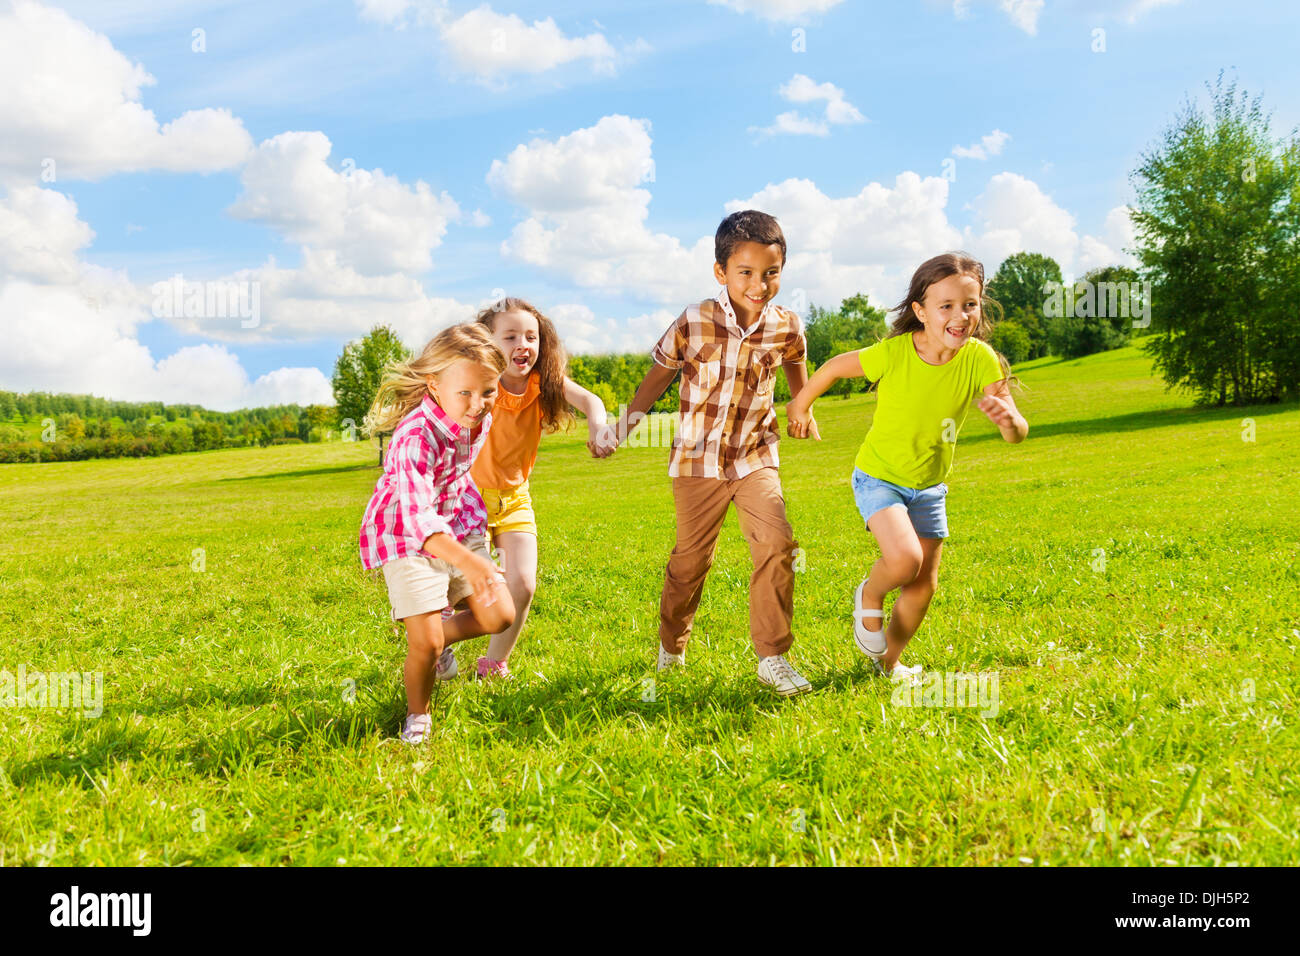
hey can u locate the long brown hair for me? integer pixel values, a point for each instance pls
(552, 363)
(404, 385)
(936, 270)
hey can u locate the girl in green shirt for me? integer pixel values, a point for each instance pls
(934, 361)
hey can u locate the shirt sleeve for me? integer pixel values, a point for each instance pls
(417, 498)
(796, 345)
(874, 361)
(987, 367)
(670, 351)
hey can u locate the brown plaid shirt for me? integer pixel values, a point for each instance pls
(727, 426)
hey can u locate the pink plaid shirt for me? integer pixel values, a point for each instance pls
(425, 488)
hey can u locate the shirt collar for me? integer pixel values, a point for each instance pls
(440, 419)
(723, 298)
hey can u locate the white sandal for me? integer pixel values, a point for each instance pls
(866, 640)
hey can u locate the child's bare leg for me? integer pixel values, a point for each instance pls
(481, 618)
(900, 560)
(519, 556)
(912, 603)
(424, 644)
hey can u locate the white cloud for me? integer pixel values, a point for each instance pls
(869, 242)
(785, 10)
(491, 46)
(73, 99)
(793, 124)
(587, 213)
(802, 89)
(585, 334)
(385, 11)
(1014, 215)
(1023, 13)
(325, 298)
(372, 221)
(72, 327)
(990, 145)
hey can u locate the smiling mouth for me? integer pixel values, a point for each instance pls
(521, 361)
(957, 333)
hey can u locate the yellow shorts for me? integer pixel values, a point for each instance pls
(509, 511)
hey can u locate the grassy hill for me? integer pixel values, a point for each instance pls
(1130, 574)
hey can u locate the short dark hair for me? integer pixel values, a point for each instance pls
(748, 226)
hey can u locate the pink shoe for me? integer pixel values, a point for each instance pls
(489, 668)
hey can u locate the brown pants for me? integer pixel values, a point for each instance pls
(701, 505)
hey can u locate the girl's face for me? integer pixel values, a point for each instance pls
(515, 334)
(466, 391)
(950, 311)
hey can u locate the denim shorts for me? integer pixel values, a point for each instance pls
(925, 506)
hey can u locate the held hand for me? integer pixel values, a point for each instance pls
(800, 423)
(482, 576)
(998, 411)
(602, 441)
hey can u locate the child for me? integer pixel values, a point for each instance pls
(425, 522)
(535, 396)
(935, 359)
(728, 349)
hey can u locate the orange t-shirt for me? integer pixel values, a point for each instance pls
(510, 451)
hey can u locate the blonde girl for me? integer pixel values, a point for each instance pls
(425, 524)
(535, 397)
(934, 362)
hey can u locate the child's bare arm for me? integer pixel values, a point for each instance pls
(650, 390)
(586, 402)
(1000, 407)
(799, 411)
(480, 573)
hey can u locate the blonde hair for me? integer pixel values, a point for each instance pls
(404, 385)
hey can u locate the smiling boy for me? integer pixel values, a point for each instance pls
(727, 350)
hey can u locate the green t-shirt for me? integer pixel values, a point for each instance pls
(920, 408)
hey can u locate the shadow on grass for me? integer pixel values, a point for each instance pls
(303, 473)
(283, 729)
(1137, 421)
(568, 709)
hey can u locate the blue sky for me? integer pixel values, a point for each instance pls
(395, 161)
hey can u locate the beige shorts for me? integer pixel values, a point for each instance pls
(423, 583)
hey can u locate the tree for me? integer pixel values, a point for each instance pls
(1021, 286)
(1099, 316)
(1011, 339)
(857, 323)
(1218, 235)
(360, 369)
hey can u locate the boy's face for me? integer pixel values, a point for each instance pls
(752, 275)
(466, 391)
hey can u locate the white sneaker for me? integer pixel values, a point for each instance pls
(776, 672)
(667, 660)
(446, 668)
(418, 728)
(871, 643)
(911, 675)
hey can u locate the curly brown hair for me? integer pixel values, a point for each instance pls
(552, 362)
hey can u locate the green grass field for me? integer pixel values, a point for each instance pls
(1147, 695)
